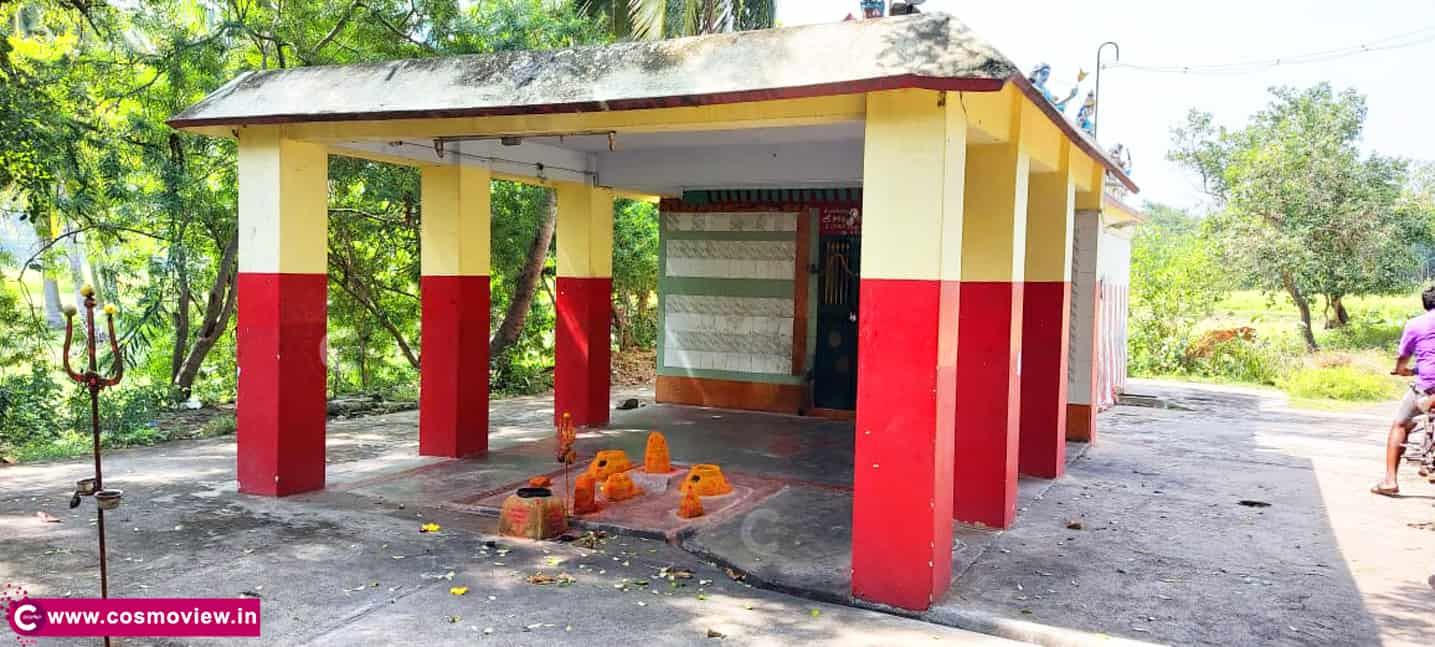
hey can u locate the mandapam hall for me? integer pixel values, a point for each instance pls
(882, 221)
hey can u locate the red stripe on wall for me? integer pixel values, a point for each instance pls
(453, 393)
(281, 350)
(902, 481)
(582, 351)
(1045, 317)
(988, 403)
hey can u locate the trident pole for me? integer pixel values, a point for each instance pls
(1096, 111)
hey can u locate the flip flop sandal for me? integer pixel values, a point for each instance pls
(1390, 492)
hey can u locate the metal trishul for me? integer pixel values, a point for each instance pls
(94, 382)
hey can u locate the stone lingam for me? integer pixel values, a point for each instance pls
(691, 505)
(585, 494)
(705, 480)
(607, 463)
(655, 457)
(619, 487)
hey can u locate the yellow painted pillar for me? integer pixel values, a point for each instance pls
(993, 265)
(913, 165)
(280, 333)
(1046, 301)
(454, 252)
(582, 332)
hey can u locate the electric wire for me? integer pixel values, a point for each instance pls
(1397, 41)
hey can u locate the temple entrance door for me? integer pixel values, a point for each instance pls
(839, 257)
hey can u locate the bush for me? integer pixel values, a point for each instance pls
(1363, 334)
(127, 413)
(221, 425)
(1239, 360)
(26, 413)
(1343, 382)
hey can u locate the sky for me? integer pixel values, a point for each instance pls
(1139, 108)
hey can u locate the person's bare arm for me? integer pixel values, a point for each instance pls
(1402, 367)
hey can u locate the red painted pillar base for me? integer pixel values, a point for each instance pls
(902, 476)
(281, 408)
(1045, 314)
(453, 384)
(988, 403)
(1081, 423)
(581, 350)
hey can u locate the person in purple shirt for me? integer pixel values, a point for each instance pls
(1417, 344)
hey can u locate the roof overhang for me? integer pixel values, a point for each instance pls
(925, 51)
(1119, 214)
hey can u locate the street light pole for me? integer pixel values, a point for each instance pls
(1096, 111)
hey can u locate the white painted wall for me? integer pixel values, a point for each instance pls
(1114, 277)
(1086, 238)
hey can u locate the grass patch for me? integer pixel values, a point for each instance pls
(1348, 383)
(1351, 368)
(221, 425)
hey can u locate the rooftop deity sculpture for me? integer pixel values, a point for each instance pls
(1039, 77)
(1085, 114)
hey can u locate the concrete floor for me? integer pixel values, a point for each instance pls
(1166, 551)
(344, 567)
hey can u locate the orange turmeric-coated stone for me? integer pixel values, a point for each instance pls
(619, 487)
(584, 499)
(655, 457)
(540, 481)
(607, 463)
(706, 480)
(691, 506)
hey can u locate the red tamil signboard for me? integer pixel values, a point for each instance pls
(840, 222)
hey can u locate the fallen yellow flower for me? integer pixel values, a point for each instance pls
(458, 590)
(430, 527)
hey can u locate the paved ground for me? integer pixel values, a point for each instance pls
(1169, 553)
(345, 568)
(1166, 550)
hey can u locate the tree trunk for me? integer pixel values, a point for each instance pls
(1341, 316)
(521, 301)
(76, 256)
(218, 309)
(181, 325)
(621, 321)
(348, 280)
(53, 315)
(1303, 305)
(44, 236)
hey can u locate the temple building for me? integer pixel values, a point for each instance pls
(880, 220)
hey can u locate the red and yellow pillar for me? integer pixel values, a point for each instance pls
(454, 248)
(913, 164)
(282, 290)
(1045, 315)
(585, 285)
(993, 250)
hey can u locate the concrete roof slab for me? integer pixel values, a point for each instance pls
(925, 50)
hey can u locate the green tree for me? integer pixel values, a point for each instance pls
(1176, 280)
(659, 19)
(1302, 210)
(635, 273)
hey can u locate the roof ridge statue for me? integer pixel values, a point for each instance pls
(1039, 77)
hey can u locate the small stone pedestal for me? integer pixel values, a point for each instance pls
(656, 483)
